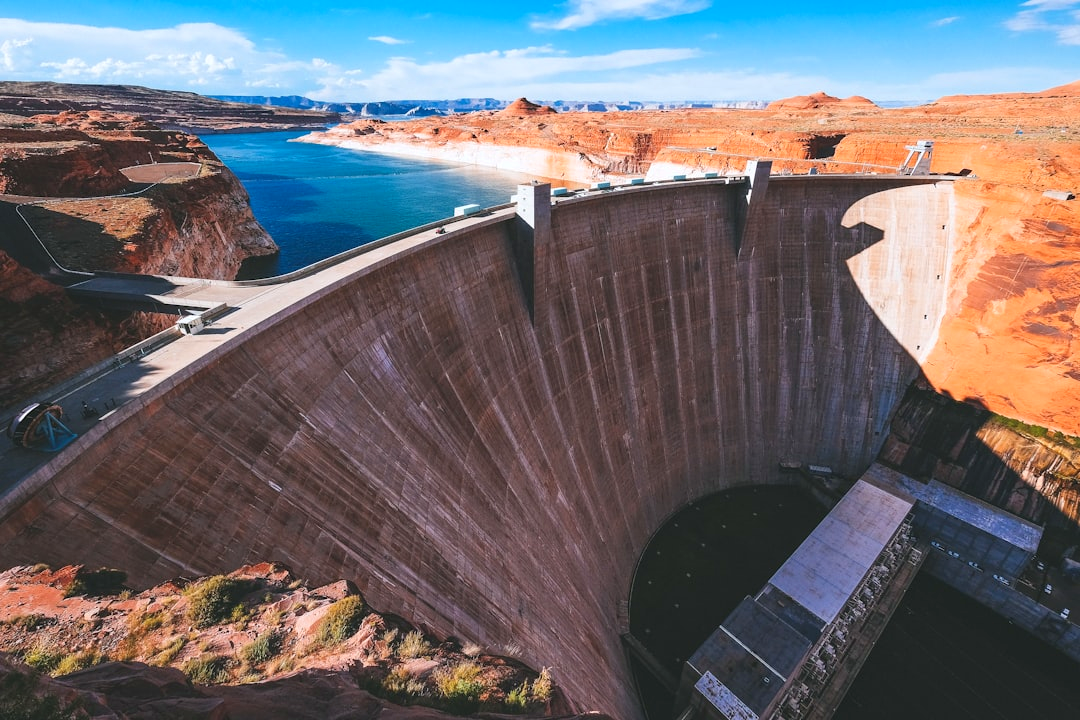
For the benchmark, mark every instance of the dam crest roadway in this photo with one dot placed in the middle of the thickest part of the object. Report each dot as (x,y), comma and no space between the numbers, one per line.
(465,421)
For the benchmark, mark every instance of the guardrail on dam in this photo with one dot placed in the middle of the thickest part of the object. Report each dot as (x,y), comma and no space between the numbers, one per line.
(493,475)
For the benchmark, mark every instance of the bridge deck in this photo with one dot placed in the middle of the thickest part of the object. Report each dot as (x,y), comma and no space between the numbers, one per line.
(162,294)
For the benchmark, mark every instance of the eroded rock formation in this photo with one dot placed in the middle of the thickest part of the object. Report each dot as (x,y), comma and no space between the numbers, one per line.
(1029,472)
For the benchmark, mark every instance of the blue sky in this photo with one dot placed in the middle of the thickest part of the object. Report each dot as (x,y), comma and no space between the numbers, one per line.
(559,49)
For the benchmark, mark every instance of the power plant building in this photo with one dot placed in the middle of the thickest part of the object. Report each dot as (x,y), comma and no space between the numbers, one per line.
(773,657)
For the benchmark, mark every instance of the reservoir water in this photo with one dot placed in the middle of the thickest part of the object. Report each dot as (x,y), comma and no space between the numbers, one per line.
(317,200)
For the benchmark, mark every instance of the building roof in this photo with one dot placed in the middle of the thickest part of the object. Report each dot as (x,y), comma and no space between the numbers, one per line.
(824,571)
(999,523)
(1002,524)
(741,653)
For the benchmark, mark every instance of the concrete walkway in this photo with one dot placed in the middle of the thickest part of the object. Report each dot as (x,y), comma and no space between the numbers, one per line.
(162,294)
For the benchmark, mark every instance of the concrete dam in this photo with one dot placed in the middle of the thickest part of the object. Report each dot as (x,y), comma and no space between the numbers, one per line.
(483,427)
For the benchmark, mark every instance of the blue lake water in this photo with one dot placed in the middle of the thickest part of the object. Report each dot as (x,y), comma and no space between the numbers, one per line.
(317,200)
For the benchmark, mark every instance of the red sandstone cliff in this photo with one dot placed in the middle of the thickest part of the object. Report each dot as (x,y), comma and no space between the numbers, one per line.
(522,107)
(200,226)
(819,100)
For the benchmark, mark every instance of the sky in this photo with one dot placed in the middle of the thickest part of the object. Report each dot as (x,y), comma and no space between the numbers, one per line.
(612,50)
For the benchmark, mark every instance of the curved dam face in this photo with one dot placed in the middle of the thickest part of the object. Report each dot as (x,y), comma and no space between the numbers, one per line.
(495,474)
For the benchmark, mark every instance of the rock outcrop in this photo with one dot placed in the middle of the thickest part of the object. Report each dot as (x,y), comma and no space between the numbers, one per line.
(123,654)
(522,107)
(61,181)
(820,100)
(1029,472)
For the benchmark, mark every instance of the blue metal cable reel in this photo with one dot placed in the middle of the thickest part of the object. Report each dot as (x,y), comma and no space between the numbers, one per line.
(38,427)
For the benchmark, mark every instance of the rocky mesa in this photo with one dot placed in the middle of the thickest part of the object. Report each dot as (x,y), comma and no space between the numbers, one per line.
(165,108)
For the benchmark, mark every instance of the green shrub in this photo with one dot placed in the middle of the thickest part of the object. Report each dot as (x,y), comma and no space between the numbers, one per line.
(460,686)
(1035,431)
(341,621)
(262,648)
(413,645)
(42,658)
(97,583)
(207,669)
(542,687)
(215,600)
(79,661)
(517,700)
(396,682)
(167,654)
(19,702)
(139,626)
(145,623)
(281,665)
(30,623)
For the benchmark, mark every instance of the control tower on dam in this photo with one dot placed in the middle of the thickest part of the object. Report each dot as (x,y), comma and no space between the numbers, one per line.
(483,427)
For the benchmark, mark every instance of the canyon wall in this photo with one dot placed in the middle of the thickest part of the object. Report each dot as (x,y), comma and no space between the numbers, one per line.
(164,108)
(64,175)
(493,473)
(1030,474)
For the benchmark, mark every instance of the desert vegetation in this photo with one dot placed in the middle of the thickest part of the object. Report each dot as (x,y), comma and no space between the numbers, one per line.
(256,624)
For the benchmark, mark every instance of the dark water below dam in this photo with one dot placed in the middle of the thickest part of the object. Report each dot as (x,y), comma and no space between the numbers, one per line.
(703,562)
(945,656)
(942,656)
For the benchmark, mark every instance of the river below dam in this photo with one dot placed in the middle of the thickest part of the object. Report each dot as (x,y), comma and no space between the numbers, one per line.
(317,200)
(942,657)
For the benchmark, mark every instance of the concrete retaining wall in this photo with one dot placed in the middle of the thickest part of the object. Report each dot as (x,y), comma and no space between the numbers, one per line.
(495,476)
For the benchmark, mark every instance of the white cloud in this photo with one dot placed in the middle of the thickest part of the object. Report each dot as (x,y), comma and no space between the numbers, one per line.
(387,40)
(10,50)
(945,21)
(1060,17)
(498,73)
(544,73)
(204,56)
(582,13)
(735,84)
(195,54)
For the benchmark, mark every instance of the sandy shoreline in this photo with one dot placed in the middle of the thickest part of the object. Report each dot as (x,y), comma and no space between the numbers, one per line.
(569,167)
